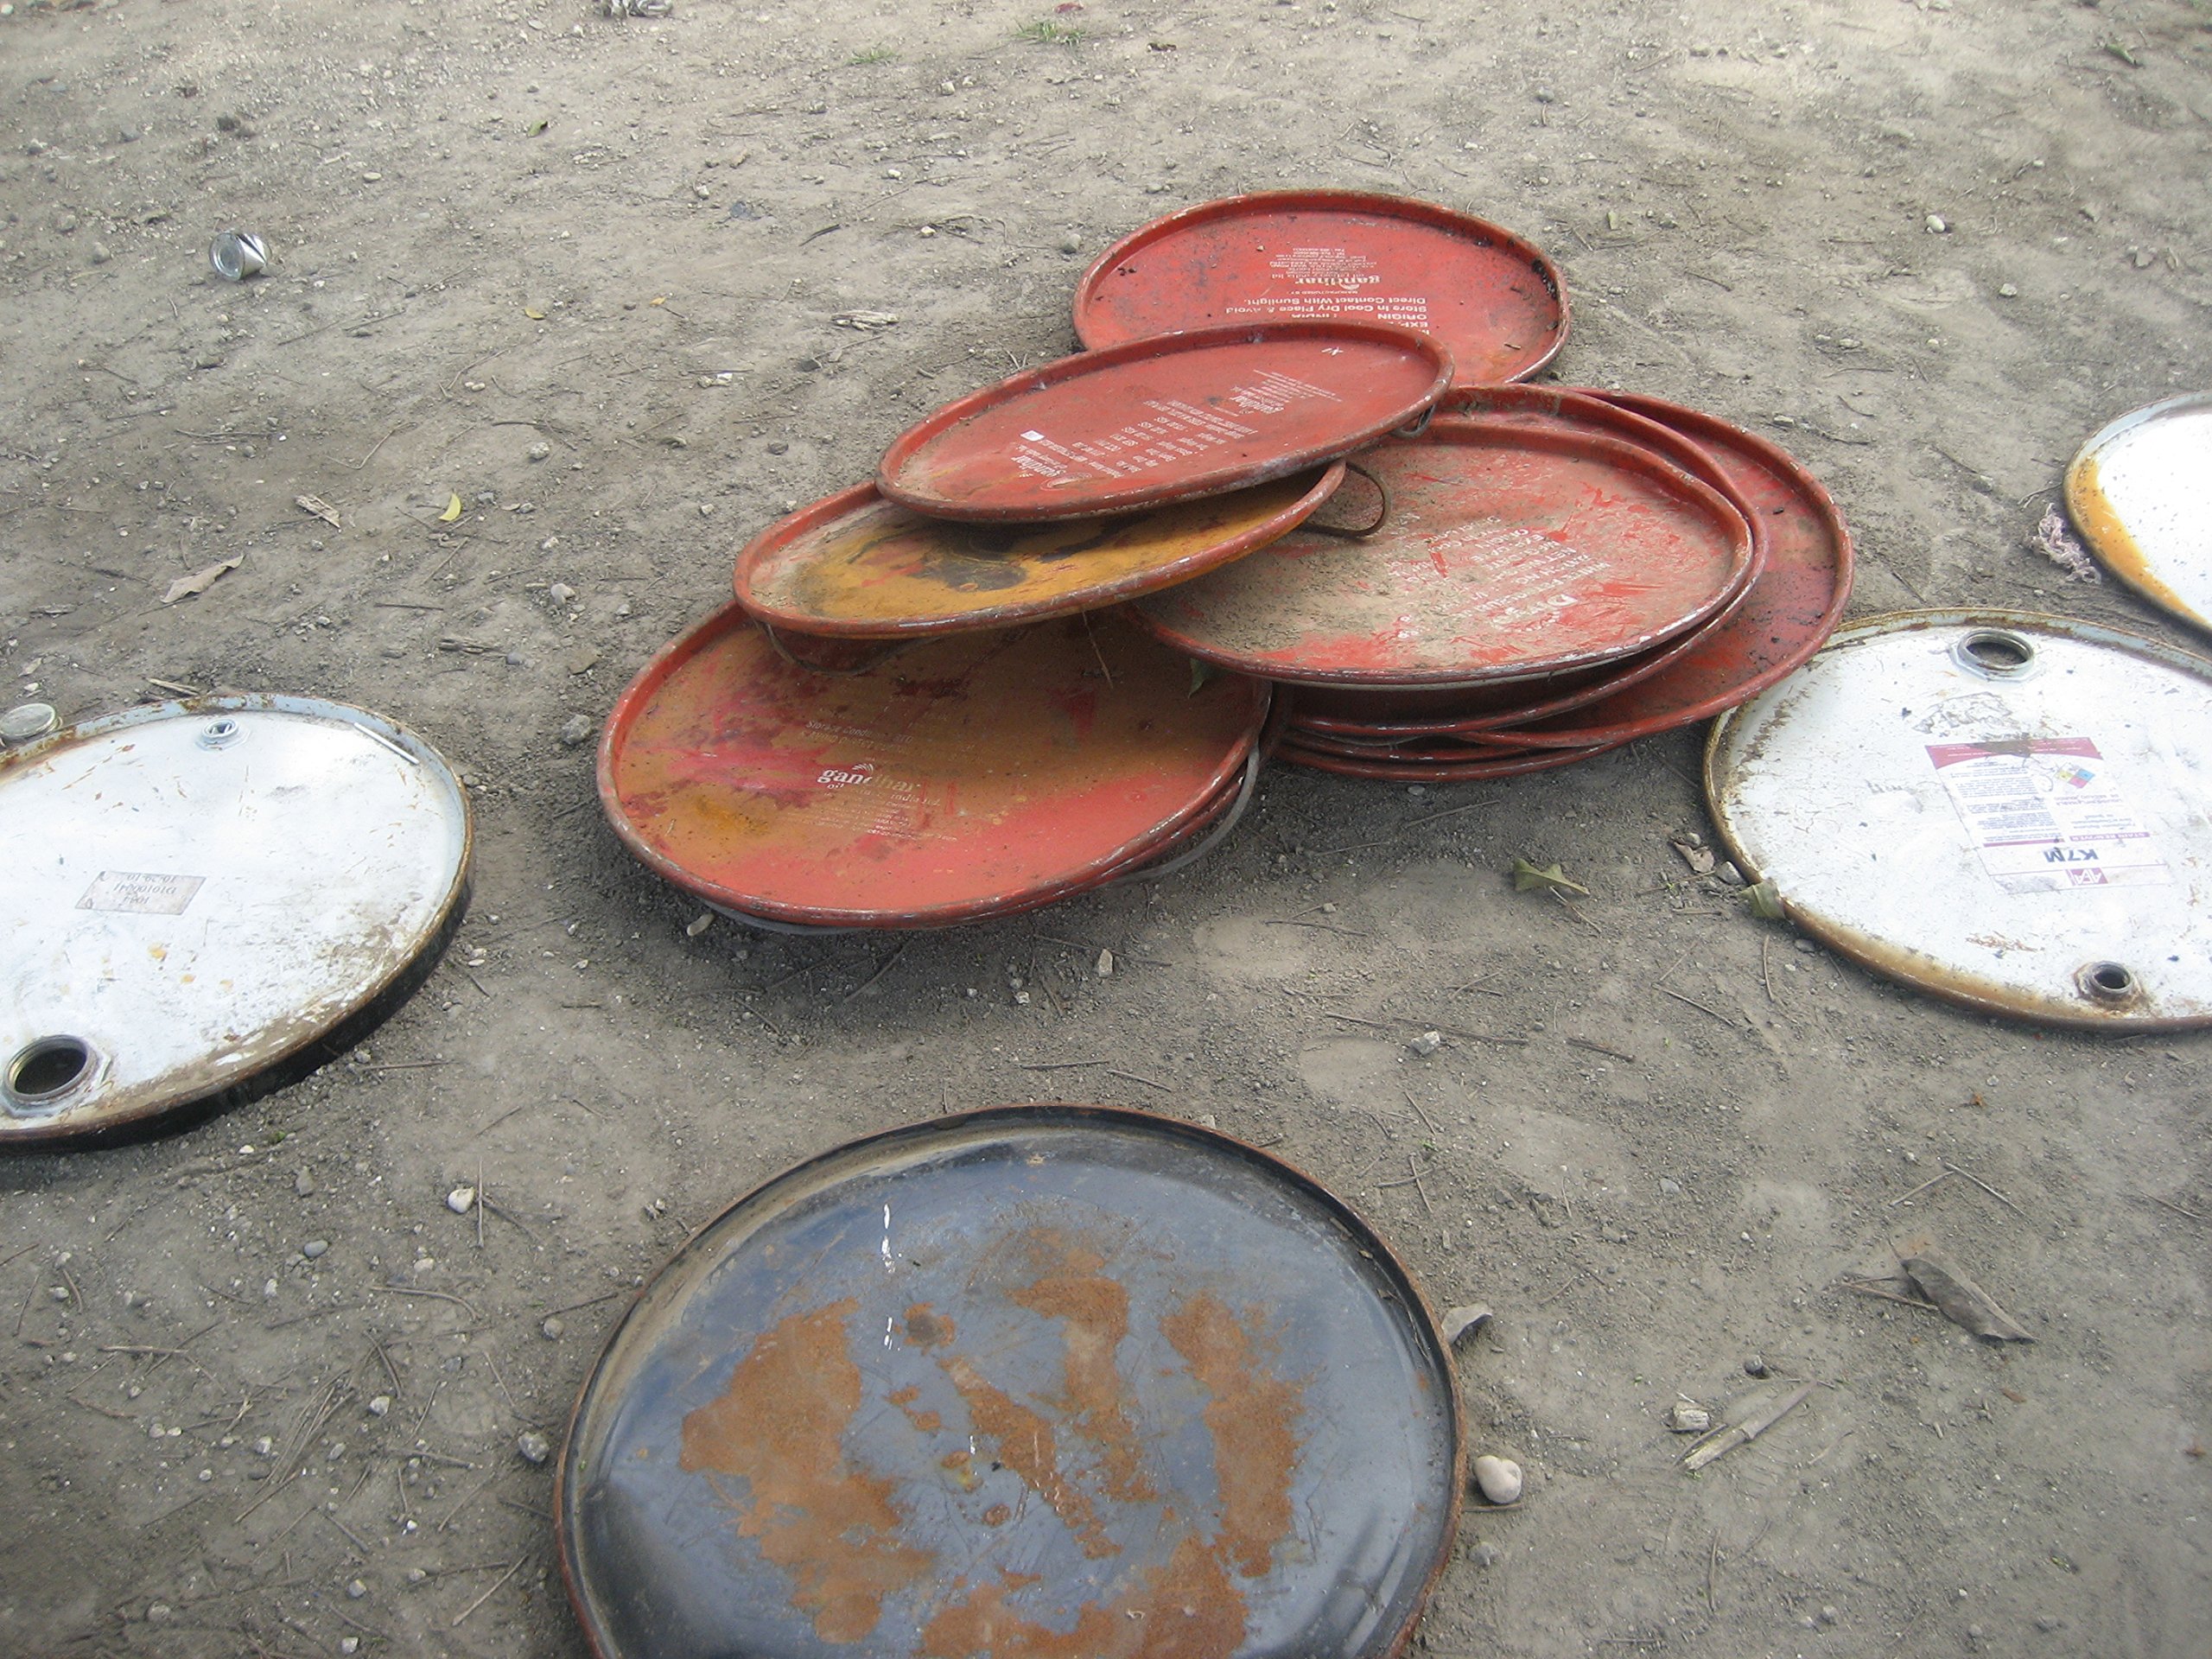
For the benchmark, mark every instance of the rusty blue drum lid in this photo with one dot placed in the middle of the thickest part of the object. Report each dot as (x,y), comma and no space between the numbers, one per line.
(1052,1381)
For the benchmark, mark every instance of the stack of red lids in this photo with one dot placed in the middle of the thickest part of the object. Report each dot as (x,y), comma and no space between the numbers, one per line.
(1293,460)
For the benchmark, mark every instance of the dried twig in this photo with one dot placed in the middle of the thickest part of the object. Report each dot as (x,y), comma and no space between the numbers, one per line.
(1726,1439)
(486,1595)
(1954,1169)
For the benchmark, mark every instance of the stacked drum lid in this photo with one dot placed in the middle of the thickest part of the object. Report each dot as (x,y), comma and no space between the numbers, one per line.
(1526,606)
(1296,466)
(910,718)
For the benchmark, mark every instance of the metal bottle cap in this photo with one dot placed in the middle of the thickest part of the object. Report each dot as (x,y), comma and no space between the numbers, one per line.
(237,255)
(27,721)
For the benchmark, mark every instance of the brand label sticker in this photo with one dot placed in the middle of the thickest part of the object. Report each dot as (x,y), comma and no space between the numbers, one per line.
(2047,814)
(140,894)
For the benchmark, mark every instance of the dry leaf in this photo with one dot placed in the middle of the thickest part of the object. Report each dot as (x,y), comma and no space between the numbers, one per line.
(1526,878)
(868,322)
(1700,858)
(1964,1302)
(535,127)
(452,513)
(1765,900)
(200,580)
(534,315)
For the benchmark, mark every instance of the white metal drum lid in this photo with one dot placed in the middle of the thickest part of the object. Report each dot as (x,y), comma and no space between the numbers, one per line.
(2141,491)
(191,893)
(2079,894)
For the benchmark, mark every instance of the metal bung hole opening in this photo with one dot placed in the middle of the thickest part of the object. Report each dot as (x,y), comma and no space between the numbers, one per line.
(2108,982)
(49,1069)
(220,733)
(1996,653)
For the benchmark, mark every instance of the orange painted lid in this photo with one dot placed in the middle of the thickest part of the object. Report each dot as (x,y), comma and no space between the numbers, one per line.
(856,564)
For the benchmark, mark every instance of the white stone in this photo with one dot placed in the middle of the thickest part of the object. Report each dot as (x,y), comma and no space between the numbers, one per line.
(1498,1479)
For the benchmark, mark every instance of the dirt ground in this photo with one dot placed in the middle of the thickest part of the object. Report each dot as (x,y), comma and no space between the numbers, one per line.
(499,226)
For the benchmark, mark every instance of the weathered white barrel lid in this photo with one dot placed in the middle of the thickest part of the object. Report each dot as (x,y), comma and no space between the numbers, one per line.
(194,893)
(2006,810)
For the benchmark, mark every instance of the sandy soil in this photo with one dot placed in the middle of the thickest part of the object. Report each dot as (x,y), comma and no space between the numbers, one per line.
(500,226)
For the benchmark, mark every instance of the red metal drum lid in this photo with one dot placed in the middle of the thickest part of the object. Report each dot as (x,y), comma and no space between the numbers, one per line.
(968,776)
(1372,713)
(1433,771)
(1049,1381)
(1494,300)
(854,564)
(1166,419)
(1508,553)
(1786,617)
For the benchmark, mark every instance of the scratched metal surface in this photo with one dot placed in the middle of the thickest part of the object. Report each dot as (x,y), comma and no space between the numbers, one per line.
(961,776)
(1893,790)
(1059,1381)
(1509,553)
(1495,300)
(193,893)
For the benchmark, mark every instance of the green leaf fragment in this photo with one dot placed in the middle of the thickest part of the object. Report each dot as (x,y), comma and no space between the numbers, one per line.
(1526,878)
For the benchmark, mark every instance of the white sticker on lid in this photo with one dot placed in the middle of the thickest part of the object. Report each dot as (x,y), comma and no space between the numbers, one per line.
(140,894)
(2046,814)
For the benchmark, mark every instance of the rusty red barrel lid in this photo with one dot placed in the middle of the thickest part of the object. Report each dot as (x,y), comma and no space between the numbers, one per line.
(1044,1379)
(1444,765)
(1398,712)
(968,776)
(1166,419)
(1506,553)
(1495,300)
(1786,617)
(856,564)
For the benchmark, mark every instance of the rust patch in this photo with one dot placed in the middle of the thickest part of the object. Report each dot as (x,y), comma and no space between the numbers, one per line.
(926,1328)
(1093,1314)
(1187,1608)
(1255,1452)
(779,1425)
(2107,532)
(1026,1446)
(927,1420)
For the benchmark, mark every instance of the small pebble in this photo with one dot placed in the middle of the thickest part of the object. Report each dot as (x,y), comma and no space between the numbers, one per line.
(1484,1554)
(576,730)
(417,1575)
(1427,1043)
(1105,964)
(461,1200)
(1688,1418)
(1670,1186)
(380,1405)
(2006,291)
(552,1330)
(560,593)
(698,924)
(349,1644)
(1807,947)
(303,1183)
(533,1445)
(1828,1615)
(2047,1624)
(541,451)
(1754,1366)
(777,447)
(159,1612)
(1729,874)
(1071,242)
(1498,1479)
(1936,225)
(314,1247)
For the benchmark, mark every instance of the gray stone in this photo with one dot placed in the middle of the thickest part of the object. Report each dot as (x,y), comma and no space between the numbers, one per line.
(533,1446)
(577,730)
